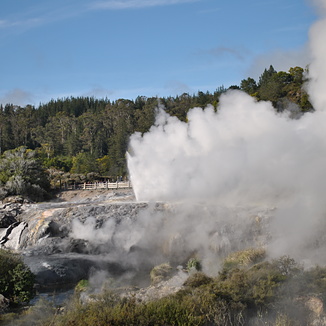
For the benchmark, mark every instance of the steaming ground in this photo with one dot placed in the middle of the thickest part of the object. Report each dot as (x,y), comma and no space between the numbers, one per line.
(232,177)
(245,154)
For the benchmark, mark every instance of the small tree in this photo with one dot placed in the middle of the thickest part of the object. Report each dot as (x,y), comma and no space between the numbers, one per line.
(84,163)
(16,279)
(249,86)
(22,174)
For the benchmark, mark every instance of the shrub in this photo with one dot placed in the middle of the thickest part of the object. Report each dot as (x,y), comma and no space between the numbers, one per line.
(246,295)
(284,320)
(16,279)
(193,264)
(22,174)
(43,313)
(197,279)
(81,286)
(244,258)
(83,163)
(160,273)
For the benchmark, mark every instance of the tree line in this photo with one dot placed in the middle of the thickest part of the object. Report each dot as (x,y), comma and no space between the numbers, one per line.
(83,134)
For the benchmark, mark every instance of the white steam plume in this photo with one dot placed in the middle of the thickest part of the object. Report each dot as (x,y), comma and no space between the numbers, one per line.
(226,169)
(317,68)
(243,154)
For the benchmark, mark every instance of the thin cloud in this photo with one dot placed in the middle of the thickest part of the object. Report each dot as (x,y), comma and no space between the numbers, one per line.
(177,87)
(17,96)
(135,4)
(223,50)
(280,59)
(21,23)
(294,28)
(99,92)
(46,14)
(3,23)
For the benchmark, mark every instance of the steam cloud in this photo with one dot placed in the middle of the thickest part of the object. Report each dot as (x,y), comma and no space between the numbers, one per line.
(244,154)
(317,67)
(220,175)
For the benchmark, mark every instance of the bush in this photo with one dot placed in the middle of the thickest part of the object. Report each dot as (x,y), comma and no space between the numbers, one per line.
(16,279)
(160,273)
(197,307)
(81,286)
(43,313)
(22,174)
(61,163)
(197,279)
(248,295)
(193,264)
(84,163)
(244,258)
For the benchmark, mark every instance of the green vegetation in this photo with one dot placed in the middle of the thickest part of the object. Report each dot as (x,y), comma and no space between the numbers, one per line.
(16,280)
(81,286)
(160,273)
(85,135)
(244,258)
(22,174)
(252,292)
(193,264)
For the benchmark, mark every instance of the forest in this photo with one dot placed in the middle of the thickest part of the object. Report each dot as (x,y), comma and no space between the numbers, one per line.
(86,136)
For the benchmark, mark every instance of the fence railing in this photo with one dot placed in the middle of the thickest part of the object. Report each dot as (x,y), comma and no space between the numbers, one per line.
(99,185)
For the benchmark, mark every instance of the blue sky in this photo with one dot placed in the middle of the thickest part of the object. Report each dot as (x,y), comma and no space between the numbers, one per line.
(125,48)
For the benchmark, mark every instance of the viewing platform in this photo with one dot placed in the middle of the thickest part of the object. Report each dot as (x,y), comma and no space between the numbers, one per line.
(97,185)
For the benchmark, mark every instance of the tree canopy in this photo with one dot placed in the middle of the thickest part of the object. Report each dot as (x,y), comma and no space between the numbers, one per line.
(69,132)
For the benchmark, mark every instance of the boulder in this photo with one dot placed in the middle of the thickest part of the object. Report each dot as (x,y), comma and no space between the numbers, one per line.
(4,303)
(6,219)
(11,237)
(15,199)
(9,213)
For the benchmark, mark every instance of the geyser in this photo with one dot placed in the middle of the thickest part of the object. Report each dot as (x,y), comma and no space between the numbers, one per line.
(244,153)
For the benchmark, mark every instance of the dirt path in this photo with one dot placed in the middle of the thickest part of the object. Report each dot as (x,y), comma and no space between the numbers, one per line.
(69,195)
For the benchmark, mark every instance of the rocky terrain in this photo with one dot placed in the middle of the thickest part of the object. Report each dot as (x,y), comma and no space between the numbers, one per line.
(112,240)
(41,233)
(98,235)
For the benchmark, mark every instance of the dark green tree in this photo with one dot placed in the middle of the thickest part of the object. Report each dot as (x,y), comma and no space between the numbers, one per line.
(84,163)
(266,76)
(145,113)
(16,279)
(234,87)
(249,86)
(297,74)
(272,85)
(122,125)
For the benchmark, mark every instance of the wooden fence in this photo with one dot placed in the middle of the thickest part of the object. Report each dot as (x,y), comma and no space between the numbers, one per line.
(98,185)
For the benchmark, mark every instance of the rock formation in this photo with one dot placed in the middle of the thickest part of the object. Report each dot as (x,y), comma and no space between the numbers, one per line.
(65,241)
